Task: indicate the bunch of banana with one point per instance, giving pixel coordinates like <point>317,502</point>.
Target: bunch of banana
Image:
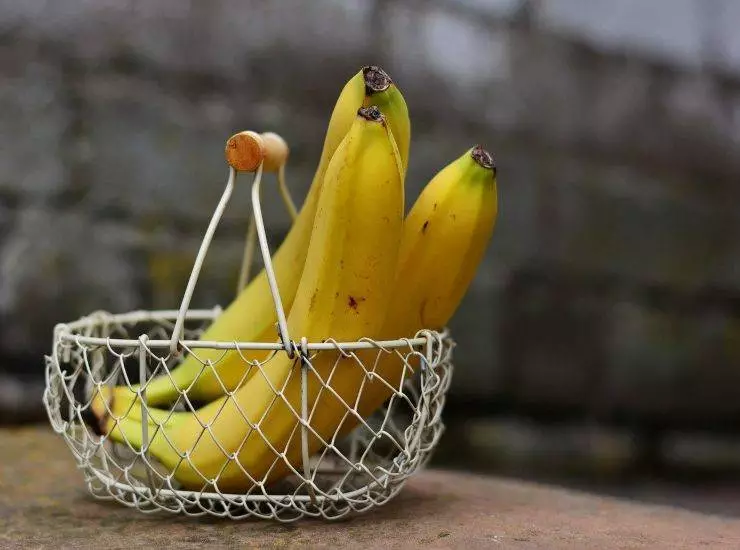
<point>354,267</point>
<point>444,238</point>
<point>207,374</point>
<point>344,292</point>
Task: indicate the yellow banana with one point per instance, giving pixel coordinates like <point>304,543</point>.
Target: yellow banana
<point>444,239</point>
<point>343,293</point>
<point>206,373</point>
<point>447,229</point>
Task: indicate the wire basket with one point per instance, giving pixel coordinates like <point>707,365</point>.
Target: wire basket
<point>350,471</point>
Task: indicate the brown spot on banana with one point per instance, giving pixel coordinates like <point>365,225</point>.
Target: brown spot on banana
<point>353,302</point>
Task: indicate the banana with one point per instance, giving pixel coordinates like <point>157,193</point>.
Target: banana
<point>447,229</point>
<point>381,91</point>
<point>344,291</point>
<point>444,239</point>
<point>207,374</point>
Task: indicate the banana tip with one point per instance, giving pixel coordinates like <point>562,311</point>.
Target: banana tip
<point>95,422</point>
<point>376,79</point>
<point>483,158</point>
<point>371,113</point>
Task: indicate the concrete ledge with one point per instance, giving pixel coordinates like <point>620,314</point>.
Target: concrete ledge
<point>43,503</point>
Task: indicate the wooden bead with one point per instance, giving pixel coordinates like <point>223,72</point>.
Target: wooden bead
<point>276,151</point>
<point>245,151</point>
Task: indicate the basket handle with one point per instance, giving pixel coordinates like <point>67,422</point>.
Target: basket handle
<point>251,241</point>
<point>177,332</point>
<point>267,260</point>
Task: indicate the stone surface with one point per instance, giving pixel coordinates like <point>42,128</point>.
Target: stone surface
<point>43,504</point>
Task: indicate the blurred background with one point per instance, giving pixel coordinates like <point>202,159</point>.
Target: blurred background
<point>600,343</point>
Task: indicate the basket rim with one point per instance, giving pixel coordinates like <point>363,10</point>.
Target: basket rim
<point>69,333</point>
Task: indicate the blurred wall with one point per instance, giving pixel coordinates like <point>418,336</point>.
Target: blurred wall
<point>613,281</point>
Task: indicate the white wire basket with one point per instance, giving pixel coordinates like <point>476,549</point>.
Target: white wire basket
<point>346,473</point>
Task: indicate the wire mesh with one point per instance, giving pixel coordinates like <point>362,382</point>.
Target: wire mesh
<point>289,429</point>
<point>348,470</point>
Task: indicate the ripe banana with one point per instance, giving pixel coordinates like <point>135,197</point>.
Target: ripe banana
<point>344,291</point>
<point>381,91</point>
<point>206,374</point>
<point>444,238</point>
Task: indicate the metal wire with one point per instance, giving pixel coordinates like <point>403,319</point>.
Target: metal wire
<point>285,194</point>
<point>333,473</point>
<point>249,243</point>
<point>177,332</point>
<point>251,240</point>
<point>262,237</point>
<point>346,475</point>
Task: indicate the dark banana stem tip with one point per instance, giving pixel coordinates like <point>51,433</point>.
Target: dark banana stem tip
<point>97,425</point>
<point>483,157</point>
<point>376,79</point>
<point>371,113</point>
